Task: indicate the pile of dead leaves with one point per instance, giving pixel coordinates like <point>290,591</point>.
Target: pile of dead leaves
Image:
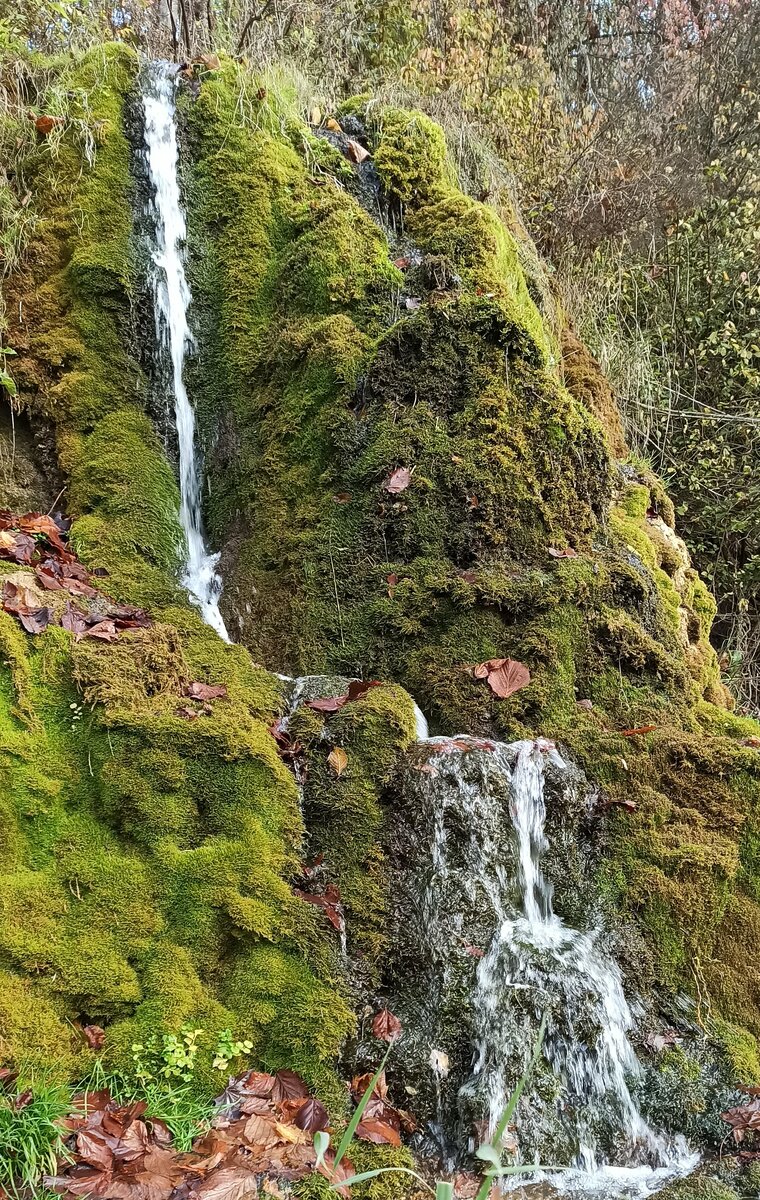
<point>263,1133</point>
<point>381,1123</point>
<point>40,542</point>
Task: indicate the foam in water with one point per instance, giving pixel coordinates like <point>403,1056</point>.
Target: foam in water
<point>172,299</point>
<point>534,955</point>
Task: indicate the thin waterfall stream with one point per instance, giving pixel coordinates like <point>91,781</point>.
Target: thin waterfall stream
<point>483,812</point>
<point>172,301</point>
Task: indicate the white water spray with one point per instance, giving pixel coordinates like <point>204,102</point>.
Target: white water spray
<point>535,962</point>
<point>172,299</point>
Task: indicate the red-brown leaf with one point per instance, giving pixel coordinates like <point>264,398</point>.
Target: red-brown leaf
<point>312,1116</point>
<point>386,1025</point>
<point>379,1132</point>
<point>205,691</point>
<point>504,676</point>
<point>636,732</point>
<point>94,1036</point>
<point>398,481</point>
<point>288,1086</point>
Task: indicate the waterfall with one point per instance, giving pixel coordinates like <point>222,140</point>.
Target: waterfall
<point>485,894</point>
<point>172,300</point>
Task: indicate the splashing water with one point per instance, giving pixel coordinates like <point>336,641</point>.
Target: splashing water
<point>534,963</point>
<point>172,299</point>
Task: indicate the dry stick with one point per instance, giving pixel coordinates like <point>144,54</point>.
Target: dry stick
<point>52,506</point>
<point>249,25</point>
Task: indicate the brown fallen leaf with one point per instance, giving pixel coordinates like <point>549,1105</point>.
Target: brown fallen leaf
<point>338,760</point>
<point>398,481</point>
<point>356,152</point>
<point>227,1183</point>
<point>205,691</point>
<point>504,676</point>
<point>45,124</point>
<point>386,1025</point>
<point>392,581</point>
<point>312,1116</point>
<point>636,732</point>
<point>209,61</point>
<point>380,1132</point>
<point>94,1036</point>
<point>333,125</point>
<point>288,1085</point>
<point>329,901</point>
<point>105,631</point>
<point>566,553</point>
<point>403,264</point>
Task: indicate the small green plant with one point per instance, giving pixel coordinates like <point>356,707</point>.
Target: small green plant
<point>490,1153</point>
<point>31,1139</point>
<point>227,1049</point>
<point>172,1056</point>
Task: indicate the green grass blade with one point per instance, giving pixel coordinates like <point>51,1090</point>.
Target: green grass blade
<point>345,1141</point>
<point>509,1112</point>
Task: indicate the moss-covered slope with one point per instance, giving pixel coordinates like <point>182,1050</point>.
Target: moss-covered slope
<point>336,351</point>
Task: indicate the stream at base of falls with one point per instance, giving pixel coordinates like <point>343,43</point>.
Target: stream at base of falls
<point>481,892</point>
<point>172,300</point>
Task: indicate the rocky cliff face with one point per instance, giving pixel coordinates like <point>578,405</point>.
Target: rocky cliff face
<point>404,482</point>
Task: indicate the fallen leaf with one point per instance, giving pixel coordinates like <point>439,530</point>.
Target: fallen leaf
<point>403,264</point>
<point>356,152</point>
<point>636,732</point>
<point>356,690</point>
<point>504,676</point>
<point>22,1100</point>
<point>105,631</point>
<point>209,61</point>
<point>329,901</point>
<point>312,1116</point>
<point>94,1036</point>
<point>473,502</point>
<point>474,951</point>
<point>227,1183</point>
<point>288,1086</point>
<point>315,115</point>
<point>338,760</point>
<point>567,553</point>
<point>398,481</point>
<point>342,497</point>
<point>46,124</point>
<point>205,691</point>
<point>392,581</point>
<point>379,1132</point>
<point>333,125</point>
<point>386,1025</point>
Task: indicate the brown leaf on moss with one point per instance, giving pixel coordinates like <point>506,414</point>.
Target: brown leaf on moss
<point>205,691</point>
<point>46,124</point>
<point>329,901</point>
<point>312,1116</point>
<point>398,481</point>
<point>392,581</point>
<point>568,552</point>
<point>105,631</point>
<point>386,1025</point>
<point>637,732</point>
<point>94,1036</point>
<point>338,760</point>
<point>504,676</point>
<point>370,1129</point>
<point>356,691</point>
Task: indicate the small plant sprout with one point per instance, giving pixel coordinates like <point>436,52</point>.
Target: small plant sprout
<point>489,1153</point>
<point>227,1050</point>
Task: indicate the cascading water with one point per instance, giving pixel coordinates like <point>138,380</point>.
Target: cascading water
<point>172,300</point>
<point>485,894</point>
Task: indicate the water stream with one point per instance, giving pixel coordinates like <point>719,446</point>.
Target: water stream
<point>172,300</point>
<point>486,815</point>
